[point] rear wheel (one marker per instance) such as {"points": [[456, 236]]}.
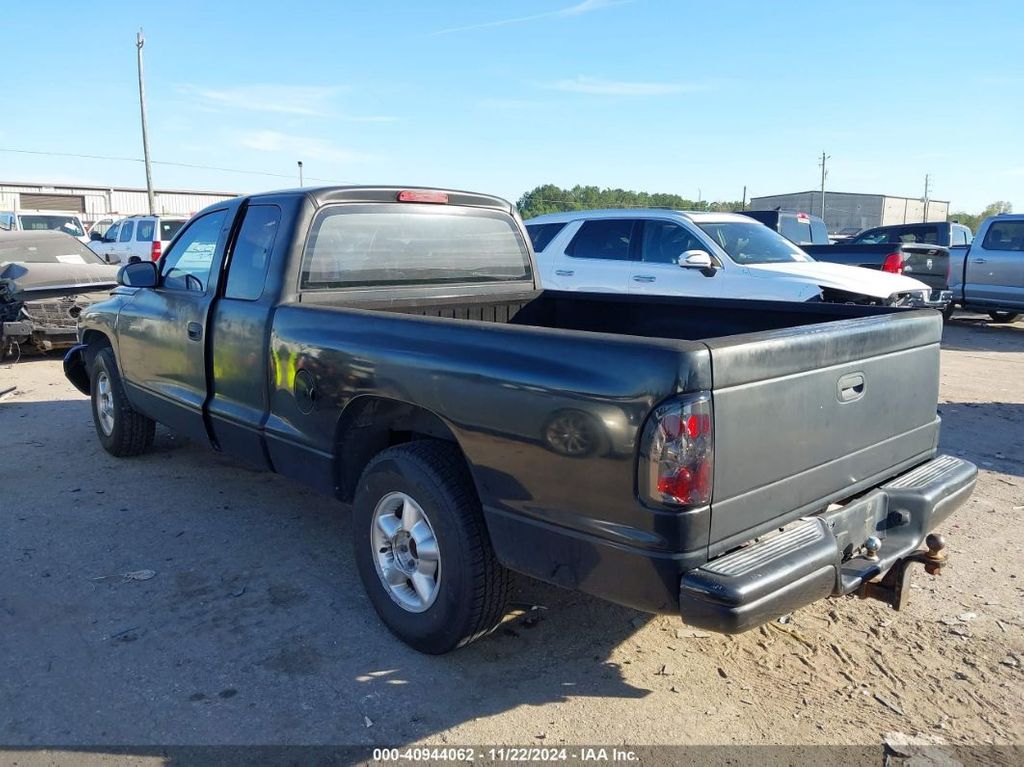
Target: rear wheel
{"points": [[122, 430], [422, 548], [1003, 317]]}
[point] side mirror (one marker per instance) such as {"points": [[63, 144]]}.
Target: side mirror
{"points": [[95, 236], [141, 274], [696, 259]]}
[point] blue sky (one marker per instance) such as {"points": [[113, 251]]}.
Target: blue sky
{"points": [[653, 95]]}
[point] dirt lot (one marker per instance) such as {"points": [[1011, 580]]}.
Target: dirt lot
{"points": [[254, 628]]}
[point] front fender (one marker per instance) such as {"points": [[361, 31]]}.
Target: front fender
{"points": [[75, 369]]}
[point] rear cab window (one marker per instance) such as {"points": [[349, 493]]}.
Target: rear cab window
{"points": [[144, 231], [541, 235], [371, 245], [610, 239], [795, 229]]}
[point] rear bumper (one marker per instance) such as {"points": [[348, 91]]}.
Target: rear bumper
{"points": [[824, 555], [934, 299]]}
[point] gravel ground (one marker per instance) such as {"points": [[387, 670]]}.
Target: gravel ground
{"points": [[254, 628]]}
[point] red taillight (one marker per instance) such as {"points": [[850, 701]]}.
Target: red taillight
{"points": [[678, 450], [419, 195], [156, 250], [893, 263]]}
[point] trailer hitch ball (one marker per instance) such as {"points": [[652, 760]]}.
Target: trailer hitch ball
{"points": [[935, 557], [893, 587]]}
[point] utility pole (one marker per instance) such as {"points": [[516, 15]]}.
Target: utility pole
{"points": [[824, 175], [698, 198], [743, 206], [300, 172], [927, 180], [139, 42]]}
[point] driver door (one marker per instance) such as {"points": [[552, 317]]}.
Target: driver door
{"points": [[162, 331]]}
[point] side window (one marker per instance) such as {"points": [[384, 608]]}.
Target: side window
{"points": [[609, 239], [126, 231], [145, 231], [187, 265], [250, 255], [1005, 235], [111, 234], [541, 235], [664, 242]]}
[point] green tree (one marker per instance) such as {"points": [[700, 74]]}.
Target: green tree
{"points": [[973, 220]]}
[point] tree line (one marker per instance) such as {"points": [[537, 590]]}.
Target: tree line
{"points": [[974, 220], [549, 198]]}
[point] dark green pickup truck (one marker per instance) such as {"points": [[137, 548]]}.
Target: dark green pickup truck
{"points": [[728, 461]]}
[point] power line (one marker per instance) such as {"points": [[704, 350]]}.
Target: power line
{"points": [[161, 162]]}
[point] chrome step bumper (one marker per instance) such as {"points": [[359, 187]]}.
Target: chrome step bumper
{"points": [[830, 554]]}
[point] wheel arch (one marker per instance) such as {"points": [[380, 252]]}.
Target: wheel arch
{"points": [[370, 424]]}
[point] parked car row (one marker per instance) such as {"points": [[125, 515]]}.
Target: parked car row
{"points": [[487, 411]]}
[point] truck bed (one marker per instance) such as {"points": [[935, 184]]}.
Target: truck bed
{"points": [[812, 401]]}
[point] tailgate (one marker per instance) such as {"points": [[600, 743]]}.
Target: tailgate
{"points": [[807, 416], [927, 263]]}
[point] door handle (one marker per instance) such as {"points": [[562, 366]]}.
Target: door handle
{"points": [[565, 272], [981, 260], [644, 278], [851, 387], [195, 331]]}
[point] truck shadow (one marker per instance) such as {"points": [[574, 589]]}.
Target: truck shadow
{"points": [[253, 627], [974, 333], [988, 434]]}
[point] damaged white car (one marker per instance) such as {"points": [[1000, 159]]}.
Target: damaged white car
{"points": [[46, 279]]}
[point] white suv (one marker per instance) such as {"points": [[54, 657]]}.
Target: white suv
{"points": [[141, 237], [727, 255]]}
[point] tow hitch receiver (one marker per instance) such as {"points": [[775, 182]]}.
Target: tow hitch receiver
{"points": [[893, 588]]}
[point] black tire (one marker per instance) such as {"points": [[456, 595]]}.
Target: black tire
{"points": [[1003, 317], [472, 587], [131, 433], [947, 313]]}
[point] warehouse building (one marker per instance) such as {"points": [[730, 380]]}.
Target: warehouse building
{"points": [[95, 202], [847, 210]]}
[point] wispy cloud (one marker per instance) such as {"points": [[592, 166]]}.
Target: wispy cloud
{"points": [[509, 104], [300, 147], [297, 100], [586, 6], [599, 87]]}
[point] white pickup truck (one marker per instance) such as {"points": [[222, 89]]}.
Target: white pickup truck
{"points": [[719, 255]]}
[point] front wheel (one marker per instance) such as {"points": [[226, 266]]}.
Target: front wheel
{"points": [[422, 548], [122, 430], [1003, 317]]}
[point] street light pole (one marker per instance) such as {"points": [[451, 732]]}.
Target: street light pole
{"points": [[139, 42], [300, 172], [927, 180], [824, 173]]}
